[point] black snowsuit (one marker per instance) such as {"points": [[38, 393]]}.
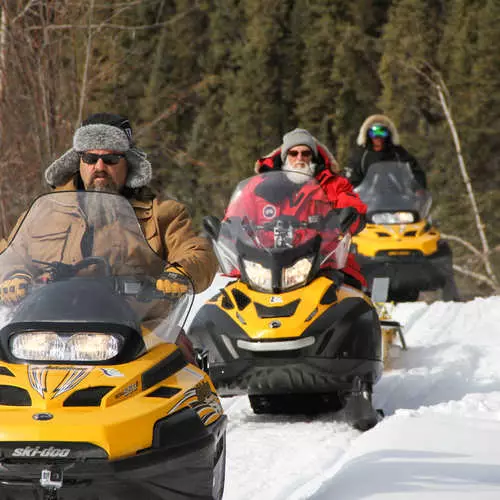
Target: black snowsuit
{"points": [[363, 157]]}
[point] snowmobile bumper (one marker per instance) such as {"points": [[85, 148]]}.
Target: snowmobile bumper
{"points": [[409, 269], [179, 465], [288, 375], [342, 343]]}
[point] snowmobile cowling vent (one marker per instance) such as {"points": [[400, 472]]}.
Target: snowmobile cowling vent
{"points": [[164, 392], [11, 395], [241, 299], [91, 396], [163, 369], [277, 312]]}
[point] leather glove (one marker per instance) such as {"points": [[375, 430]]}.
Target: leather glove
{"points": [[173, 281], [15, 288]]}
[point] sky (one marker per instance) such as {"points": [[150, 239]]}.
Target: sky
{"points": [[440, 438]]}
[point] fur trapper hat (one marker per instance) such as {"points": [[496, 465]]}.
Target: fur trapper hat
{"points": [[377, 120], [102, 131]]}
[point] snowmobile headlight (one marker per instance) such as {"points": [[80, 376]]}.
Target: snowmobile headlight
{"points": [[259, 276], [393, 218], [296, 274], [52, 346]]}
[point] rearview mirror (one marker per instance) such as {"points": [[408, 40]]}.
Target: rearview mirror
{"points": [[347, 217], [380, 289], [211, 225]]}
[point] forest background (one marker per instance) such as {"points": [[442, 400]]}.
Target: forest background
{"points": [[211, 85]]}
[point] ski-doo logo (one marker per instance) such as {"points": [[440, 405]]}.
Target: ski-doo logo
{"points": [[269, 211], [37, 451]]}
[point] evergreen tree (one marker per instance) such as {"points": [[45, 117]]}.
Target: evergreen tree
{"points": [[355, 71], [316, 104], [254, 109]]}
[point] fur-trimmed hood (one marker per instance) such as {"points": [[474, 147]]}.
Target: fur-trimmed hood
{"points": [[271, 160], [381, 119]]}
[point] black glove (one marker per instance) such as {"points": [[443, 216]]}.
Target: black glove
{"points": [[15, 288], [173, 281]]}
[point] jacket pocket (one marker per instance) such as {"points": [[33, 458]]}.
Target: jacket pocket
{"points": [[49, 246]]}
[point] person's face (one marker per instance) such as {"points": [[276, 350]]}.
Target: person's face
{"points": [[300, 157], [378, 143], [103, 174]]}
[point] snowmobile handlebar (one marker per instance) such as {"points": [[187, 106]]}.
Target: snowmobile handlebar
{"points": [[142, 288]]}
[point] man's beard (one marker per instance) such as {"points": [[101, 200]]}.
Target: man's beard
{"points": [[108, 187], [299, 173], [98, 208]]}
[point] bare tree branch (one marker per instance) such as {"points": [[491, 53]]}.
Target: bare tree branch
{"points": [[465, 243], [98, 27], [478, 277], [440, 87], [83, 90], [27, 7]]}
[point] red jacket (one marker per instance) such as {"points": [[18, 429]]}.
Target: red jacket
{"points": [[338, 190]]}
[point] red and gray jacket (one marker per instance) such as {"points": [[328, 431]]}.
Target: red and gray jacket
{"points": [[337, 188]]}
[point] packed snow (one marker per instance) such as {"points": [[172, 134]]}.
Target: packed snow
{"points": [[440, 438]]}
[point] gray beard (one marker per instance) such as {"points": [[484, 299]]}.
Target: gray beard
{"points": [[299, 175], [110, 187]]}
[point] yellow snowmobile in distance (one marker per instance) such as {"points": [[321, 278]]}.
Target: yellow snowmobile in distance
{"points": [[98, 402], [399, 240]]}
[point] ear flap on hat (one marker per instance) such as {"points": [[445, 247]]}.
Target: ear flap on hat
{"points": [[139, 168], [63, 168]]}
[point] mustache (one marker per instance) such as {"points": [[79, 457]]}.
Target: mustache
{"points": [[100, 175]]}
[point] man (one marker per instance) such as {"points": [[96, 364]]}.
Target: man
{"points": [[378, 140], [301, 153], [104, 158]]}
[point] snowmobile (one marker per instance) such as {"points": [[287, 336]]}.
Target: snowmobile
{"points": [[400, 241], [97, 399], [288, 331]]}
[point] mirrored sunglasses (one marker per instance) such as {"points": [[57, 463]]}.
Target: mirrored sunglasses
{"points": [[108, 159], [378, 131]]}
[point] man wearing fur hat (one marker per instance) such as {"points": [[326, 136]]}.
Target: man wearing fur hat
{"points": [[104, 158], [302, 153], [378, 140]]}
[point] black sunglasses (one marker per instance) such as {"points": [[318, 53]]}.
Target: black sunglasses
{"points": [[108, 159], [305, 154]]}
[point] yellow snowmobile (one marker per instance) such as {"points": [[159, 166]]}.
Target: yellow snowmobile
{"points": [[97, 399], [399, 240], [287, 331]]}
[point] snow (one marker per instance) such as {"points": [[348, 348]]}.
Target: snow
{"points": [[439, 440]]}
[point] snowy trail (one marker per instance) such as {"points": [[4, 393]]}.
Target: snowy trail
{"points": [[270, 448], [438, 398]]}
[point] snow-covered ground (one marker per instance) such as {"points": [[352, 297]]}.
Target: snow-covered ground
{"points": [[440, 439]]}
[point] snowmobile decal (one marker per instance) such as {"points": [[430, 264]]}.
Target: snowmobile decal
{"points": [[38, 375], [208, 409]]}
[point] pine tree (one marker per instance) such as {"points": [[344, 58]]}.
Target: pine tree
{"points": [[254, 109], [355, 71], [316, 103]]}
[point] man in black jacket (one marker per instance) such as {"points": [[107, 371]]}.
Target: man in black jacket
{"points": [[378, 140]]}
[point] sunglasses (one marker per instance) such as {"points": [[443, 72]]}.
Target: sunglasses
{"points": [[305, 154], [108, 159], [378, 131]]}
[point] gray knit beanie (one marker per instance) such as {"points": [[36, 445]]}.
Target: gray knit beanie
{"points": [[298, 137], [102, 131]]}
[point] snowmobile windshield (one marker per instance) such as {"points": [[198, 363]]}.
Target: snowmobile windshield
{"points": [[392, 194], [279, 229], [89, 269]]}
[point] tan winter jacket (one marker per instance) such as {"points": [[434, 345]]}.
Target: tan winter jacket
{"points": [[167, 228]]}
